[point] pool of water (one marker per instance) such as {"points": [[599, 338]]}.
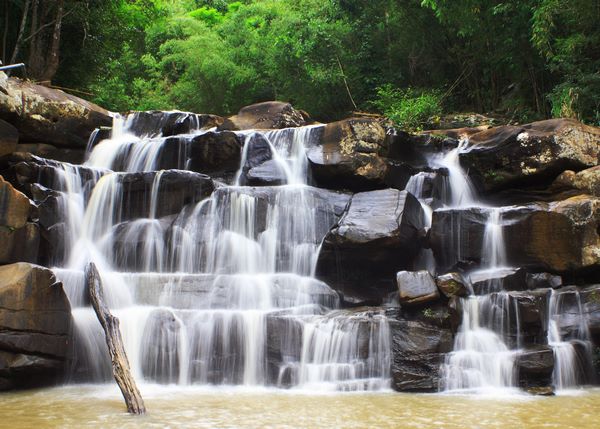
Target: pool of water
{"points": [[101, 406]]}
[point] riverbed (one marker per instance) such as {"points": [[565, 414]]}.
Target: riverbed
{"points": [[100, 406]]}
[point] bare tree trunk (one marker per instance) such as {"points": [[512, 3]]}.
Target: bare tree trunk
{"points": [[110, 324], [53, 57], [21, 32], [4, 55]]}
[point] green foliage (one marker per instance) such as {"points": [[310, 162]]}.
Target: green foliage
{"points": [[525, 59], [408, 108]]}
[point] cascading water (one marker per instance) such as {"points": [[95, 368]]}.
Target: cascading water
{"points": [[481, 358], [569, 363], [222, 291]]}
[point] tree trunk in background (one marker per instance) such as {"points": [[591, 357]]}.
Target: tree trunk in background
{"points": [[44, 39], [5, 36], [52, 60], [19, 41]]}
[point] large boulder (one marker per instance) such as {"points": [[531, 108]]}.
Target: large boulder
{"points": [[35, 327], [535, 366], [266, 115], [535, 153], [377, 236], [9, 137], [350, 155], [418, 350], [560, 236], [45, 115]]}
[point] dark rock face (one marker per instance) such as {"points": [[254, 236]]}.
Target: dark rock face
{"points": [[558, 236], [48, 115], [590, 300], [350, 155], [9, 137], [156, 122], [377, 236], [535, 366], [35, 327], [418, 350], [176, 189], [258, 152], [534, 153], [70, 155], [416, 287], [266, 115], [20, 238], [214, 152]]}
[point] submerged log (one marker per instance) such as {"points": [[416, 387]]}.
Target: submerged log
{"points": [[110, 324]]}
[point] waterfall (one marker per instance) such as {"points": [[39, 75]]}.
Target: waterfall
{"points": [[222, 291], [458, 189], [481, 358], [570, 365]]}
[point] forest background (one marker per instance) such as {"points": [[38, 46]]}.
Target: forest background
{"points": [[411, 60]]}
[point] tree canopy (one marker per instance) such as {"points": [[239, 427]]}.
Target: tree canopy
{"points": [[526, 59]]}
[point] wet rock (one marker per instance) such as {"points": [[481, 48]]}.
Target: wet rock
{"points": [[543, 280], [161, 123], [35, 326], [176, 189], [48, 115], [590, 300], [212, 152], [377, 236], [452, 284], [266, 115], [418, 350], [416, 287], [535, 362], [269, 173], [529, 322], [258, 151], [531, 154], [350, 155], [535, 366], [9, 137], [541, 391], [485, 281], [560, 236], [587, 181], [24, 170]]}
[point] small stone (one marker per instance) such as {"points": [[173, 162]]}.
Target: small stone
{"points": [[416, 287], [452, 284]]}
